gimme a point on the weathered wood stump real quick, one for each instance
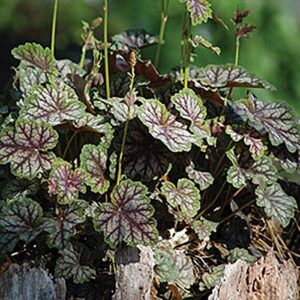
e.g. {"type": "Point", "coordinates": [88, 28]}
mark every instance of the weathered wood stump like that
{"type": "Point", "coordinates": [266, 279]}
{"type": "Point", "coordinates": [135, 272]}
{"type": "Point", "coordinates": [25, 283]}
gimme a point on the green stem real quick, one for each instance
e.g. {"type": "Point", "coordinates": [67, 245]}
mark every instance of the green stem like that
{"type": "Point", "coordinates": [54, 18]}
{"type": "Point", "coordinates": [122, 148]}
{"type": "Point", "coordinates": [186, 77]}
{"type": "Point", "coordinates": [163, 22]}
{"type": "Point", "coordinates": [237, 51]}
{"type": "Point", "coordinates": [186, 47]}
{"type": "Point", "coordinates": [105, 39]}
{"type": "Point", "coordinates": [83, 53]}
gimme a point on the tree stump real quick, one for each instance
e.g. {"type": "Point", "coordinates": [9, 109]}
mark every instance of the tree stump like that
{"type": "Point", "coordinates": [135, 272]}
{"type": "Point", "coordinates": [266, 279]}
{"type": "Point", "coordinates": [25, 283]}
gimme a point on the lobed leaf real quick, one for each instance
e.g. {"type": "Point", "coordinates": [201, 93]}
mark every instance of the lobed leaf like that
{"type": "Point", "coordinates": [93, 161]}
{"type": "Point", "coordinates": [276, 203]}
{"type": "Point", "coordinates": [62, 228]}
{"type": "Point", "coordinates": [211, 279]}
{"type": "Point", "coordinates": [128, 217]}
{"type": "Point", "coordinates": [53, 103]}
{"type": "Point", "coordinates": [185, 195]}
{"type": "Point", "coordinates": [21, 219]}
{"type": "Point", "coordinates": [134, 39]}
{"type": "Point", "coordinates": [163, 126]}
{"type": "Point", "coordinates": [221, 76]}
{"type": "Point", "coordinates": [204, 228]}
{"type": "Point", "coordinates": [35, 55]}
{"type": "Point", "coordinates": [69, 266]}
{"type": "Point", "coordinates": [26, 148]}
{"type": "Point", "coordinates": [203, 179]}
{"type": "Point", "coordinates": [200, 10]}
{"type": "Point", "coordinates": [19, 188]}
{"type": "Point", "coordinates": [144, 157]}
{"type": "Point", "coordinates": [242, 254]}
{"type": "Point", "coordinates": [274, 118]}
{"type": "Point", "coordinates": [66, 183]}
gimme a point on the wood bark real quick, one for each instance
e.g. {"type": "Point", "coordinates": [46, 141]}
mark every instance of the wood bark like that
{"type": "Point", "coordinates": [26, 283]}
{"type": "Point", "coordinates": [135, 272]}
{"type": "Point", "coordinates": [267, 279]}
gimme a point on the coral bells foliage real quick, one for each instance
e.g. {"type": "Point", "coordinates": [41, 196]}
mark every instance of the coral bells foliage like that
{"type": "Point", "coordinates": [179, 169]}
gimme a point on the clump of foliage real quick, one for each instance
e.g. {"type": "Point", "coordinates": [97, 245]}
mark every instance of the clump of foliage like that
{"type": "Point", "coordinates": [171, 161]}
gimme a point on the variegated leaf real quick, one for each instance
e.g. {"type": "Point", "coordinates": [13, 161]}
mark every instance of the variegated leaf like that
{"type": "Point", "coordinates": [26, 148]}
{"type": "Point", "coordinates": [204, 228]}
{"type": "Point", "coordinates": [274, 118]}
{"type": "Point", "coordinates": [66, 183]}
{"type": "Point", "coordinates": [185, 196]}
{"type": "Point", "coordinates": [242, 254]}
{"type": "Point", "coordinates": [200, 10]}
{"type": "Point", "coordinates": [52, 103]}
{"type": "Point", "coordinates": [203, 179]}
{"type": "Point", "coordinates": [20, 220]}
{"type": "Point", "coordinates": [128, 218]}
{"type": "Point", "coordinates": [71, 265]}
{"type": "Point", "coordinates": [93, 162]}
{"type": "Point", "coordinates": [144, 157]}
{"type": "Point", "coordinates": [220, 76]}
{"type": "Point", "coordinates": [19, 188]}
{"type": "Point", "coordinates": [163, 126]}
{"type": "Point", "coordinates": [199, 40]}
{"type": "Point", "coordinates": [134, 39]}
{"type": "Point", "coordinates": [191, 107]}
{"type": "Point", "coordinates": [35, 55]}
{"type": "Point", "coordinates": [276, 203]}
{"type": "Point", "coordinates": [211, 279]}
{"type": "Point", "coordinates": [62, 228]}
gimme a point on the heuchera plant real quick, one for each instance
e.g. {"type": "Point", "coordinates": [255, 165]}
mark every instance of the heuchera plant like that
{"type": "Point", "coordinates": [172, 161]}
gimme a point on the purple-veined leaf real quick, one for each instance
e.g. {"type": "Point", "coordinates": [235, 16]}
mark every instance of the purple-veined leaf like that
{"type": "Point", "coordinates": [29, 77]}
{"type": "Point", "coordinates": [199, 40]}
{"type": "Point", "coordinates": [20, 220]}
{"type": "Point", "coordinates": [221, 76]}
{"type": "Point", "coordinates": [185, 196]}
{"type": "Point", "coordinates": [93, 161]}
{"type": "Point", "coordinates": [204, 228]}
{"type": "Point", "coordinates": [274, 118]}
{"type": "Point", "coordinates": [19, 188]}
{"type": "Point", "coordinates": [200, 10]}
{"type": "Point", "coordinates": [35, 55]}
{"type": "Point", "coordinates": [144, 157]}
{"type": "Point", "coordinates": [134, 39]}
{"type": "Point", "coordinates": [62, 228]}
{"type": "Point", "coordinates": [236, 176]}
{"type": "Point", "coordinates": [190, 107]}
{"type": "Point", "coordinates": [128, 218]}
{"type": "Point", "coordinates": [163, 126]}
{"type": "Point", "coordinates": [203, 179]}
{"type": "Point", "coordinates": [68, 69]}
{"type": "Point", "coordinates": [52, 103]}
{"type": "Point", "coordinates": [261, 172]}
{"type": "Point", "coordinates": [121, 111]}
{"type": "Point", "coordinates": [235, 135]}
{"type": "Point", "coordinates": [70, 265]}
{"type": "Point", "coordinates": [66, 183]}
{"type": "Point", "coordinates": [276, 203]}
{"type": "Point", "coordinates": [256, 146]}
{"type": "Point", "coordinates": [26, 148]}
